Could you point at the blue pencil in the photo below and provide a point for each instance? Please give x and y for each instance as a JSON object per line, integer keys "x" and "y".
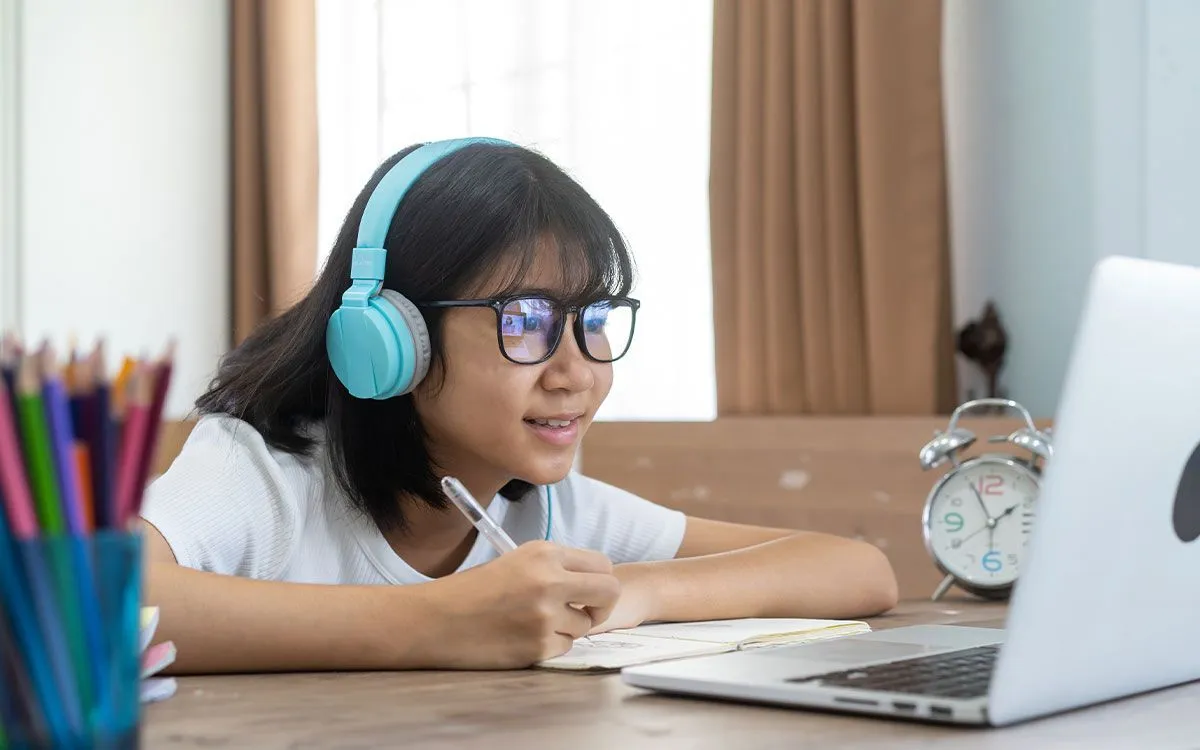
{"x": 51, "y": 680}
{"x": 20, "y": 709}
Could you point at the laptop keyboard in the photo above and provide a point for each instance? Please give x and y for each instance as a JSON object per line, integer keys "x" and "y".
{"x": 956, "y": 674}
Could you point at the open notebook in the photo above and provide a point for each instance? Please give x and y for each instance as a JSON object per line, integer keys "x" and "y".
{"x": 663, "y": 641}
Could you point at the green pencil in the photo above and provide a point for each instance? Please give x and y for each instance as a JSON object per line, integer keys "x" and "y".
{"x": 44, "y": 478}
{"x": 36, "y": 437}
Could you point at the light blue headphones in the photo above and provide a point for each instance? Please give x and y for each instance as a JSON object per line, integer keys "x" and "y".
{"x": 376, "y": 340}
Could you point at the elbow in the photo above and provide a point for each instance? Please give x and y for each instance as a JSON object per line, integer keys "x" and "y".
{"x": 880, "y": 590}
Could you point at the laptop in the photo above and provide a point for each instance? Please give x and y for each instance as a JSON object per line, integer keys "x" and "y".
{"x": 1108, "y": 602}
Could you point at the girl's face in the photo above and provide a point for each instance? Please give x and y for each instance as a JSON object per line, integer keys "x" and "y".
{"x": 486, "y": 424}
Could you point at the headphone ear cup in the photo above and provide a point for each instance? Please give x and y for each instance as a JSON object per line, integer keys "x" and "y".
{"x": 414, "y": 323}
{"x": 381, "y": 350}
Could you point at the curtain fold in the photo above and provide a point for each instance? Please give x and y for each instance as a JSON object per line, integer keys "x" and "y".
{"x": 274, "y": 153}
{"x": 828, "y": 207}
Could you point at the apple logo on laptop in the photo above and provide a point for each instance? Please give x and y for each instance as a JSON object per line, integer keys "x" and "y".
{"x": 1186, "y": 516}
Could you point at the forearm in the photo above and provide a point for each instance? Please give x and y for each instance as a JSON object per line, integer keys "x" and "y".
{"x": 806, "y": 575}
{"x": 229, "y": 624}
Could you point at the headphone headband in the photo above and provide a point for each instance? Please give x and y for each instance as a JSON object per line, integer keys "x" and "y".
{"x": 385, "y": 201}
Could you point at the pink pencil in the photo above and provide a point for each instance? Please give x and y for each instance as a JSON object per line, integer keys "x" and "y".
{"x": 133, "y": 442}
{"x": 12, "y": 474}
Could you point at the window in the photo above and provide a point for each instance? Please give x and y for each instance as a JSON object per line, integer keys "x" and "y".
{"x": 614, "y": 91}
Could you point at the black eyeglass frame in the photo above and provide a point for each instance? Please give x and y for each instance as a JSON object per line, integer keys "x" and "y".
{"x": 499, "y": 303}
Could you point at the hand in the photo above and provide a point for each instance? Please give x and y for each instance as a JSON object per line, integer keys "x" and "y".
{"x": 635, "y": 604}
{"x": 517, "y": 609}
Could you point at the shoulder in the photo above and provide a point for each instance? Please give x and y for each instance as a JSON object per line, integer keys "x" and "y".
{"x": 230, "y": 502}
{"x": 628, "y": 528}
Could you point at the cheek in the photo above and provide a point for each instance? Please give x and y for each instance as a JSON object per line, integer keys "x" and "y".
{"x": 603, "y": 374}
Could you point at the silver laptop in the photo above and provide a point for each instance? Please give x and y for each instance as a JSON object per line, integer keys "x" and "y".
{"x": 1108, "y": 603}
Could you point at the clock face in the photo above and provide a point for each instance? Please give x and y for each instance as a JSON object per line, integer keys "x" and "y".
{"x": 979, "y": 520}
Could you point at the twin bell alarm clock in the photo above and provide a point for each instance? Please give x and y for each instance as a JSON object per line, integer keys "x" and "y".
{"x": 978, "y": 515}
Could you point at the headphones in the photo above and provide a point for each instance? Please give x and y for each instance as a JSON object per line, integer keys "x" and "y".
{"x": 376, "y": 340}
{"x": 954, "y": 439}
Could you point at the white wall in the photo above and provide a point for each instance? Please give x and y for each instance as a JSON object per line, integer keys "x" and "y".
{"x": 9, "y": 162}
{"x": 1071, "y": 131}
{"x": 124, "y": 179}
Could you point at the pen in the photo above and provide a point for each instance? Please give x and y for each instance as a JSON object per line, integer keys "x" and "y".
{"x": 475, "y": 514}
{"x": 470, "y": 508}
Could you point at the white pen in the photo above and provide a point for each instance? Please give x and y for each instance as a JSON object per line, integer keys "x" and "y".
{"x": 464, "y": 501}
{"x": 475, "y": 514}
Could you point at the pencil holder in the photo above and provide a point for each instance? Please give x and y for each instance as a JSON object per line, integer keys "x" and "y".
{"x": 69, "y": 633}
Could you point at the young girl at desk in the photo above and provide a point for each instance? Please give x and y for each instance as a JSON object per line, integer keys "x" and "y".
{"x": 323, "y": 437}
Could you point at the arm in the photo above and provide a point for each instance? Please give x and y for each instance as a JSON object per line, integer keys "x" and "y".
{"x": 508, "y": 613}
{"x": 725, "y": 570}
{"x": 223, "y": 623}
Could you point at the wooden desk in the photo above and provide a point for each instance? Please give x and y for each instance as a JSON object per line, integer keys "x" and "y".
{"x": 531, "y": 710}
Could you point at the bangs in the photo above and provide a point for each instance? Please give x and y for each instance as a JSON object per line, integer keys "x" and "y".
{"x": 566, "y": 237}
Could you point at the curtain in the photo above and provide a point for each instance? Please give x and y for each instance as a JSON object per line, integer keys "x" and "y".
{"x": 831, "y": 291}
{"x": 274, "y": 150}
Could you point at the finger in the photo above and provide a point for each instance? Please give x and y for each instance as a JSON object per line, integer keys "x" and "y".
{"x": 585, "y": 560}
{"x": 595, "y": 592}
{"x": 555, "y": 644}
{"x": 575, "y": 622}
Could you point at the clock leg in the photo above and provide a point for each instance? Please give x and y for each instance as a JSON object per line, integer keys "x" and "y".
{"x": 942, "y": 588}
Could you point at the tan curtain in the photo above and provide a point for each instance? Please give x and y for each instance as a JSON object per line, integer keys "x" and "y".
{"x": 828, "y": 208}
{"x": 274, "y": 89}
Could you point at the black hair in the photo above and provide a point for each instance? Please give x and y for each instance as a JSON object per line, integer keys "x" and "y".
{"x": 471, "y": 218}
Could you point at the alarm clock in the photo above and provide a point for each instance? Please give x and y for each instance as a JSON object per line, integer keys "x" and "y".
{"x": 978, "y": 516}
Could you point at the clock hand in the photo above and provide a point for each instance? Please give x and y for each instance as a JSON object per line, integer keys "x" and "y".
{"x": 989, "y": 527}
{"x": 976, "y": 532}
{"x": 979, "y": 497}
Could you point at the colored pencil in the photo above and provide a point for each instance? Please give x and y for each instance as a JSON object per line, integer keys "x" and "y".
{"x": 39, "y": 460}
{"x": 48, "y": 498}
{"x": 19, "y": 703}
{"x": 87, "y": 498}
{"x": 36, "y": 627}
{"x": 62, "y": 437}
{"x": 104, "y": 434}
{"x": 133, "y": 442}
{"x": 162, "y": 382}
{"x": 17, "y": 498}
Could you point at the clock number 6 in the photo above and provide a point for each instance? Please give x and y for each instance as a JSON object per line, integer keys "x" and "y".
{"x": 991, "y": 562}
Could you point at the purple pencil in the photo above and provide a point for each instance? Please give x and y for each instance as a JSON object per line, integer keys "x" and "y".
{"x": 59, "y": 419}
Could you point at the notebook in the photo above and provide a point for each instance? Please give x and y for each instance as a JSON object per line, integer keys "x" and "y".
{"x": 155, "y": 659}
{"x": 662, "y": 641}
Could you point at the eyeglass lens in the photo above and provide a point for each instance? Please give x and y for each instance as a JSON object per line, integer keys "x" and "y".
{"x": 531, "y": 326}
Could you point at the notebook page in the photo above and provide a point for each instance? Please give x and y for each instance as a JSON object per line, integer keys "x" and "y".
{"x": 616, "y": 650}
{"x": 746, "y": 631}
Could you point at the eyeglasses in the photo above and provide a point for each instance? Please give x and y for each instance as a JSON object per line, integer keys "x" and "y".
{"x": 529, "y": 328}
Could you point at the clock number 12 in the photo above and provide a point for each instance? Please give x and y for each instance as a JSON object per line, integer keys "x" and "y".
{"x": 991, "y": 484}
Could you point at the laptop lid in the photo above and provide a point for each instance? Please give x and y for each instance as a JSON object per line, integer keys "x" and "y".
{"x": 1109, "y": 600}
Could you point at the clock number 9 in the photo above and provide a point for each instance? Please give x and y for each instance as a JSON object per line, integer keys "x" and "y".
{"x": 953, "y": 521}
{"x": 991, "y": 562}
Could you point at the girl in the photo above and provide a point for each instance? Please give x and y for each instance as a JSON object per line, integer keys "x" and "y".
{"x": 465, "y": 324}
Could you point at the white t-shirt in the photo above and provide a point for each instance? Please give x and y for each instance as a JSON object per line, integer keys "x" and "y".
{"x": 231, "y": 504}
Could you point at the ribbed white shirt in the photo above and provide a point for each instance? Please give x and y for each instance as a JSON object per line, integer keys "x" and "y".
{"x": 231, "y": 504}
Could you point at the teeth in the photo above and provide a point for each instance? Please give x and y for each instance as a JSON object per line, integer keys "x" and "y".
{"x": 552, "y": 422}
